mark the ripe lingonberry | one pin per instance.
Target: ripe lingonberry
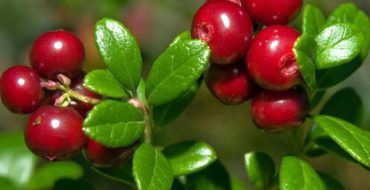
(55, 133)
(229, 83)
(275, 111)
(227, 29)
(238, 2)
(271, 60)
(20, 89)
(102, 156)
(271, 12)
(57, 52)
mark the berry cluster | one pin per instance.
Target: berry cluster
(54, 130)
(260, 65)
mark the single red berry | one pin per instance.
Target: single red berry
(272, 12)
(229, 83)
(227, 29)
(238, 2)
(57, 52)
(20, 89)
(55, 133)
(102, 156)
(271, 60)
(275, 111)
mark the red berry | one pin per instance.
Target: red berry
(55, 133)
(20, 89)
(57, 52)
(229, 83)
(271, 60)
(275, 111)
(102, 156)
(227, 29)
(270, 12)
(238, 2)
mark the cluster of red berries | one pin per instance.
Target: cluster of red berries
(55, 132)
(262, 67)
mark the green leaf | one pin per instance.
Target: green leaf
(338, 44)
(16, 161)
(305, 52)
(141, 91)
(45, 176)
(214, 177)
(72, 184)
(176, 70)
(313, 20)
(338, 106)
(189, 157)
(119, 51)
(345, 13)
(151, 169)
(181, 38)
(114, 124)
(330, 183)
(104, 83)
(121, 174)
(316, 98)
(237, 185)
(352, 139)
(260, 169)
(298, 174)
(5, 183)
(166, 113)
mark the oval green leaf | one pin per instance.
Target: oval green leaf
(189, 157)
(298, 174)
(313, 20)
(119, 51)
(104, 83)
(166, 113)
(305, 52)
(352, 139)
(45, 176)
(214, 177)
(16, 161)
(114, 124)
(338, 44)
(176, 70)
(151, 169)
(260, 169)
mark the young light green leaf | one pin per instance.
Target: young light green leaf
(121, 174)
(349, 137)
(151, 169)
(114, 124)
(189, 157)
(166, 113)
(119, 51)
(313, 20)
(337, 106)
(16, 161)
(260, 169)
(181, 38)
(298, 174)
(305, 52)
(214, 177)
(338, 44)
(7, 184)
(45, 176)
(104, 83)
(176, 70)
(330, 183)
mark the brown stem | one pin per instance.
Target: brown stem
(148, 118)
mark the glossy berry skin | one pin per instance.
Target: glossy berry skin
(275, 111)
(102, 156)
(227, 29)
(20, 89)
(238, 2)
(272, 12)
(55, 133)
(229, 83)
(271, 60)
(57, 52)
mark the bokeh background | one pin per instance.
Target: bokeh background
(155, 23)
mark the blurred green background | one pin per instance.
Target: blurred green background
(155, 23)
